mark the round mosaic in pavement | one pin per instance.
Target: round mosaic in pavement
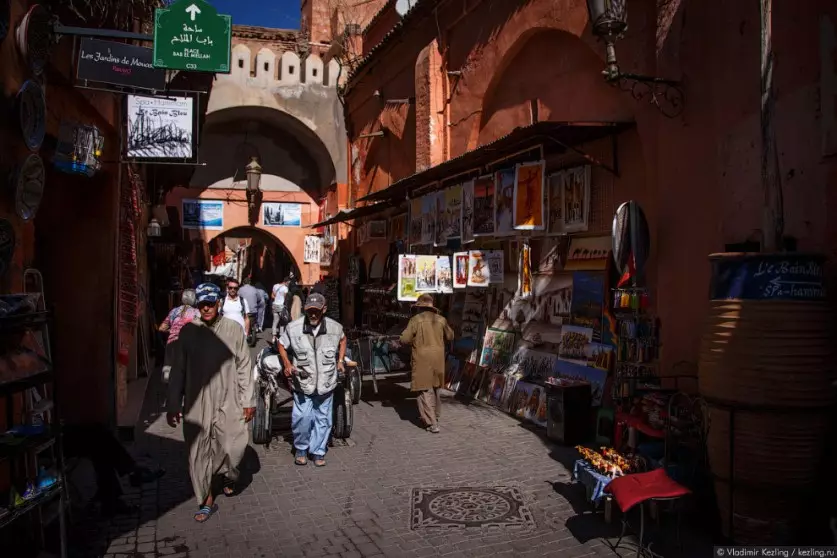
(469, 508)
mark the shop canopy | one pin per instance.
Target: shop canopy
(554, 137)
(350, 214)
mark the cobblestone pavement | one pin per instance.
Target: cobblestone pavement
(359, 504)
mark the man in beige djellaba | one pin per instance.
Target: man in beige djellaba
(211, 389)
(428, 333)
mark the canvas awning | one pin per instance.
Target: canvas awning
(556, 137)
(345, 215)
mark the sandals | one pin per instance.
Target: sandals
(229, 489)
(206, 512)
(301, 459)
(433, 429)
(319, 461)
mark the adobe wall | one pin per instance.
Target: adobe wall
(697, 175)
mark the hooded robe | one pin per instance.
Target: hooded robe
(213, 377)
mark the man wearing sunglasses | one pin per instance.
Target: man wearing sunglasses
(317, 348)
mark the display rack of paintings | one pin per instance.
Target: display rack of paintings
(483, 206)
(504, 203)
(529, 196)
(467, 212)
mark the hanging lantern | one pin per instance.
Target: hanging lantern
(608, 17)
(79, 149)
(154, 229)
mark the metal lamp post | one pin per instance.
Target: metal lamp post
(254, 180)
(609, 21)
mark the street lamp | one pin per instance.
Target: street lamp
(254, 180)
(154, 229)
(609, 21)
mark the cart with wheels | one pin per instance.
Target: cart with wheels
(273, 391)
(377, 354)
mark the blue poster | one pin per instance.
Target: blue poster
(203, 214)
(278, 214)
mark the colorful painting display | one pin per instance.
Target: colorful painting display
(554, 193)
(524, 284)
(575, 199)
(428, 218)
(588, 298)
(479, 274)
(504, 203)
(494, 261)
(377, 229)
(460, 270)
(398, 228)
(534, 365)
(467, 212)
(599, 356)
(497, 347)
(574, 341)
(484, 206)
(407, 278)
(496, 389)
(528, 196)
(426, 274)
(444, 277)
(416, 217)
(574, 371)
(311, 249)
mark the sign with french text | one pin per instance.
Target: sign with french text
(160, 127)
(192, 35)
(118, 64)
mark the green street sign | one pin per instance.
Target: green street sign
(192, 35)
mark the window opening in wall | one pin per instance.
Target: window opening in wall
(314, 72)
(266, 66)
(240, 63)
(291, 70)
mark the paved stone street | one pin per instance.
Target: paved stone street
(359, 505)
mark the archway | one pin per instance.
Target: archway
(292, 156)
(251, 252)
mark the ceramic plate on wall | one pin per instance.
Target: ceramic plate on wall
(5, 18)
(29, 187)
(34, 37)
(31, 109)
(7, 245)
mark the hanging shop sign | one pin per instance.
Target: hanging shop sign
(5, 18)
(277, 214)
(192, 35)
(160, 127)
(31, 110)
(311, 249)
(35, 38)
(118, 64)
(7, 245)
(29, 187)
(203, 214)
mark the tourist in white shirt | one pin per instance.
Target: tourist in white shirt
(235, 307)
(280, 312)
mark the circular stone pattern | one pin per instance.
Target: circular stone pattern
(470, 506)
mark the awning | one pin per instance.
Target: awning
(350, 214)
(556, 137)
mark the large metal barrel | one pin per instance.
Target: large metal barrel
(766, 368)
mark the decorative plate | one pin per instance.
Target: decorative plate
(5, 18)
(7, 245)
(31, 108)
(35, 37)
(29, 187)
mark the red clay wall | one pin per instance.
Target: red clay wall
(697, 175)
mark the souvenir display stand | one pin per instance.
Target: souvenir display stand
(30, 446)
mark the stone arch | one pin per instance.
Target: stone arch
(287, 148)
(274, 237)
(569, 87)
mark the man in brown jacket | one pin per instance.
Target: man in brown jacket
(428, 332)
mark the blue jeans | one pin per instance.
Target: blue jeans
(311, 422)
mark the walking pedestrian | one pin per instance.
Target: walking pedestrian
(317, 347)
(263, 302)
(248, 293)
(280, 312)
(236, 308)
(211, 389)
(174, 322)
(428, 332)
